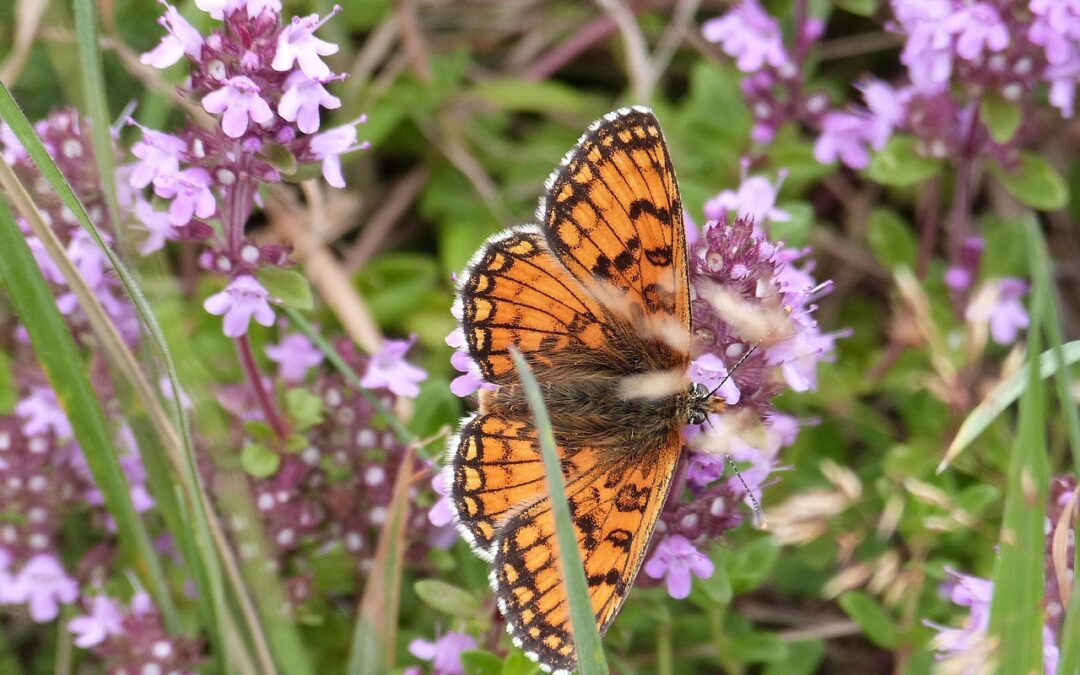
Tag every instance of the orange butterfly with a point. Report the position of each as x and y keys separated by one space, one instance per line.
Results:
x=597 y=299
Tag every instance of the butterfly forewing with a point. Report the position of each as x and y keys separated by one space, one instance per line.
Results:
x=599 y=291
x=515 y=293
x=614 y=217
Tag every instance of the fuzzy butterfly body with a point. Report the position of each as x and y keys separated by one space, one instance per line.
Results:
x=597 y=299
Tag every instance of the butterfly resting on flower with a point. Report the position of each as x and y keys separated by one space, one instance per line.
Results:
x=597 y=299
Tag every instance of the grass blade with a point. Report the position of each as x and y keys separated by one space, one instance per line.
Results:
x=375 y=633
x=590 y=653
x=93 y=86
x=1054 y=361
x=1070 y=627
x=62 y=364
x=1017 y=608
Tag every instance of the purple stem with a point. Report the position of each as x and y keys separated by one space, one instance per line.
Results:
x=238 y=204
x=266 y=403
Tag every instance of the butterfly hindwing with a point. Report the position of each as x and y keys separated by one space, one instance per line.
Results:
x=495 y=467
x=614 y=217
x=516 y=293
x=614 y=511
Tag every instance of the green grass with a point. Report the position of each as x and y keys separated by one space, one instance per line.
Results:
x=590 y=653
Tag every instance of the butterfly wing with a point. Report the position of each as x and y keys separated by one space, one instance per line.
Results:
x=516 y=293
x=496 y=467
x=614 y=218
x=614 y=511
x=612 y=247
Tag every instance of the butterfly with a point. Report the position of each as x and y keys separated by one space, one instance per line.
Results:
x=596 y=297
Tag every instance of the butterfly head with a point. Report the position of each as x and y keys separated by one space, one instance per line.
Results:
x=701 y=402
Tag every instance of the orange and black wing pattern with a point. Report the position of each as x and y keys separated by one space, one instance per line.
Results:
x=614 y=510
x=614 y=217
x=495 y=468
x=610 y=253
x=516 y=293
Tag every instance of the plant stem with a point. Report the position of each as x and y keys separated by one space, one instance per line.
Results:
x=266 y=403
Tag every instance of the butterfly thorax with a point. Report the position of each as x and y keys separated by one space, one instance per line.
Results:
x=601 y=409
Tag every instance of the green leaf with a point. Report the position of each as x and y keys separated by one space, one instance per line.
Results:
x=1001 y=117
x=435 y=407
x=8 y=397
x=288 y=286
x=899 y=164
x=520 y=95
x=517 y=663
x=752 y=564
x=447 y=598
x=1035 y=183
x=589 y=651
x=305 y=408
x=803 y=658
x=891 y=239
x=757 y=648
x=1001 y=397
x=281 y=158
x=859 y=7
x=259 y=431
x=872 y=618
x=478 y=662
x=259 y=461
x=1016 y=610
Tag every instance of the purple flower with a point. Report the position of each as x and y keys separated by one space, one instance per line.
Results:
x=755 y=199
x=295 y=355
x=159 y=155
x=978 y=27
x=103 y=620
x=241 y=300
x=239 y=100
x=798 y=356
x=710 y=370
x=887 y=105
x=48 y=267
x=43 y=585
x=748 y=35
x=676 y=558
x=182 y=39
x=388 y=368
x=441 y=513
x=157 y=224
x=471 y=378
x=845 y=136
x=928 y=50
x=42 y=413
x=302 y=99
x=297 y=43
x=444 y=653
x=190 y=193
x=1008 y=316
x=330 y=145
x=88 y=258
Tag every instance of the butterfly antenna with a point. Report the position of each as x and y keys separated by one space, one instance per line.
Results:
x=759 y=517
x=735 y=367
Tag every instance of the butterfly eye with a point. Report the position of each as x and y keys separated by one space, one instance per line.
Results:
x=696 y=417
